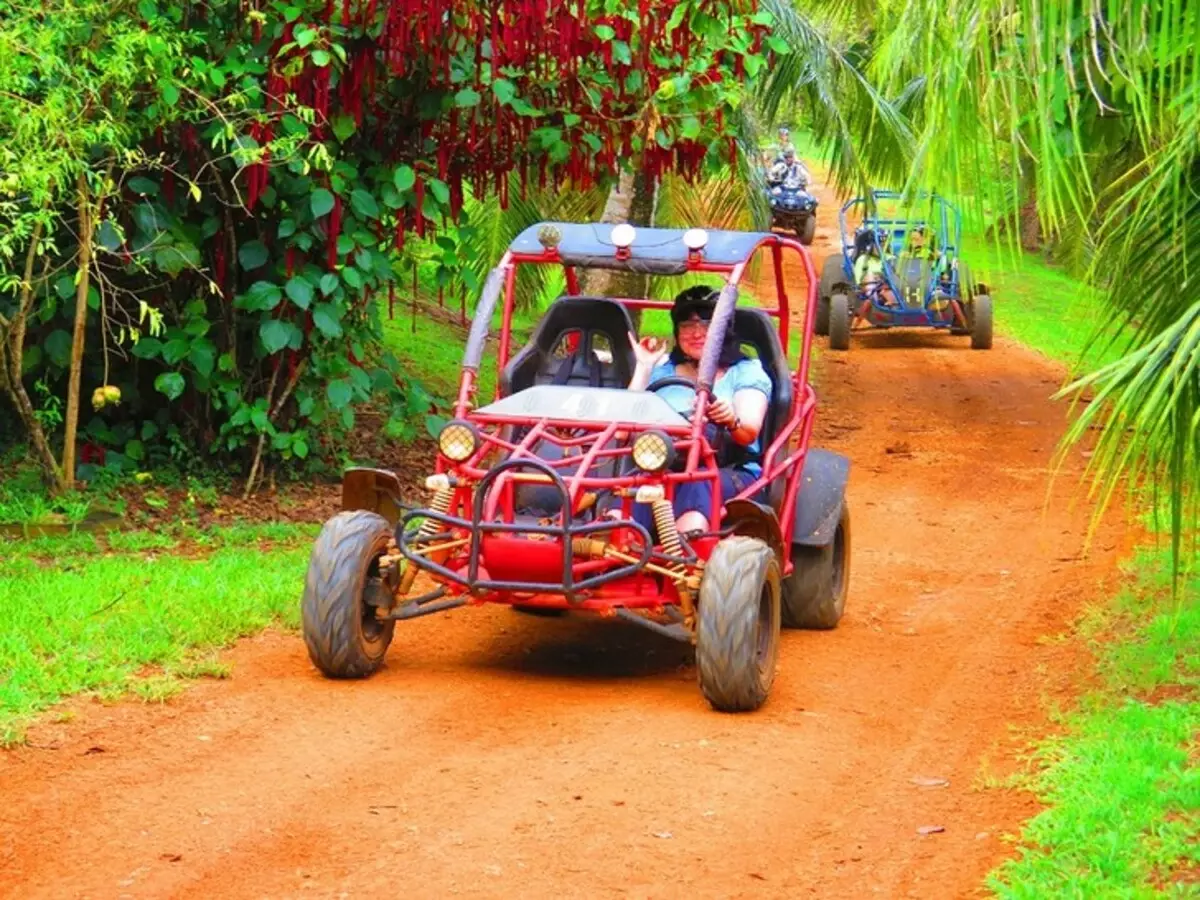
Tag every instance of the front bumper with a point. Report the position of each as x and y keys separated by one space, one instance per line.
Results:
x=473 y=576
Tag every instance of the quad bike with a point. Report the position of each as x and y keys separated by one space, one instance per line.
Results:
x=531 y=496
x=793 y=208
x=929 y=289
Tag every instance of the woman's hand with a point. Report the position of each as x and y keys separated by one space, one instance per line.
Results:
x=721 y=412
x=649 y=352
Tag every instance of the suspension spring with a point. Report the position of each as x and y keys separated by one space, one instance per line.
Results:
x=440 y=504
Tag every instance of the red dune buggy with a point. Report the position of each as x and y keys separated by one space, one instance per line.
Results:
x=532 y=495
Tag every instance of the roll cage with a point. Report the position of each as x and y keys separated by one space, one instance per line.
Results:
x=587 y=445
x=947 y=227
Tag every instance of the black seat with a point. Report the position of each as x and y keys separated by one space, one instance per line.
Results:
x=598 y=321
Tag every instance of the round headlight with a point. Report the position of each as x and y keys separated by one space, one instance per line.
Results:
x=695 y=238
x=458 y=440
x=623 y=235
x=653 y=451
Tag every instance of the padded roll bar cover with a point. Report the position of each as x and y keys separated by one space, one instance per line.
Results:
x=819 y=501
x=722 y=321
x=481 y=324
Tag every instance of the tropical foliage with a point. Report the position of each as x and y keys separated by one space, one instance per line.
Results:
x=207 y=197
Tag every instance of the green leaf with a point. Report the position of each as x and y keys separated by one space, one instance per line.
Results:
x=252 y=255
x=300 y=291
x=109 y=236
x=287 y=227
x=176 y=350
x=276 y=335
x=321 y=202
x=203 y=356
x=440 y=190
x=364 y=204
x=135 y=450
x=147 y=348
x=170 y=93
x=143 y=186
x=404 y=179
x=329 y=283
x=169 y=383
x=321 y=58
x=352 y=277
x=300 y=447
x=65 y=287
x=361 y=380
x=262 y=296
x=325 y=317
x=344 y=126
x=690 y=127
x=504 y=90
x=338 y=393
x=467 y=97
x=58 y=348
x=605 y=32
x=305 y=36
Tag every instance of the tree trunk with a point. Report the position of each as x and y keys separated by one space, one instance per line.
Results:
x=12 y=357
x=633 y=199
x=81 y=298
x=1032 y=238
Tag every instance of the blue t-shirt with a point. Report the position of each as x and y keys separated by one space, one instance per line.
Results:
x=746 y=374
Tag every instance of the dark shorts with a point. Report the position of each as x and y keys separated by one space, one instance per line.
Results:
x=697 y=496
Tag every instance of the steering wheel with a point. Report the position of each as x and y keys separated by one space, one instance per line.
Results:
x=671 y=380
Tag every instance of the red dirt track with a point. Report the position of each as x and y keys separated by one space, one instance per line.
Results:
x=504 y=756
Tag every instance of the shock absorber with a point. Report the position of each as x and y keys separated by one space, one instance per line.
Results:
x=668 y=536
x=440 y=504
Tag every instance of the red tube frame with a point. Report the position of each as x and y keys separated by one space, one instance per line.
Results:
x=800 y=423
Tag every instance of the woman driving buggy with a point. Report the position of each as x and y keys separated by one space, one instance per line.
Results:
x=735 y=413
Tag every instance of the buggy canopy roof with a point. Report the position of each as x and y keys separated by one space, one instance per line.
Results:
x=655 y=251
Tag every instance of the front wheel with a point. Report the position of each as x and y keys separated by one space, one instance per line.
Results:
x=839 y=322
x=981 y=322
x=807 y=231
x=344 y=638
x=814 y=595
x=737 y=624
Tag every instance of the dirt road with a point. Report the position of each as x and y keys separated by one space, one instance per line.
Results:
x=501 y=756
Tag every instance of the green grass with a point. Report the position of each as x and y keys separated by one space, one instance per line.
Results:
x=1122 y=783
x=1040 y=305
x=433 y=352
x=1121 y=779
x=90 y=615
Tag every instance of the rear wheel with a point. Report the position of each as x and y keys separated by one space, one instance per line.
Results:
x=814 y=595
x=737 y=624
x=807 y=231
x=343 y=637
x=981 y=322
x=839 y=322
x=966 y=290
x=831 y=274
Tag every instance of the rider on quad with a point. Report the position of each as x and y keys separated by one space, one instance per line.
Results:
x=788 y=170
x=735 y=417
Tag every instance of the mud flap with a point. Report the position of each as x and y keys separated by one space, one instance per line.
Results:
x=819 y=502
x=374 y=490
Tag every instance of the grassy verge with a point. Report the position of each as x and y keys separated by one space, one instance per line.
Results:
x=1121 y=779
x=1040 y=305
x=112 y=616
x=1122 y=783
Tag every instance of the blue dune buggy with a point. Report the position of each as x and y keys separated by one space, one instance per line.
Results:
x=902 y=272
